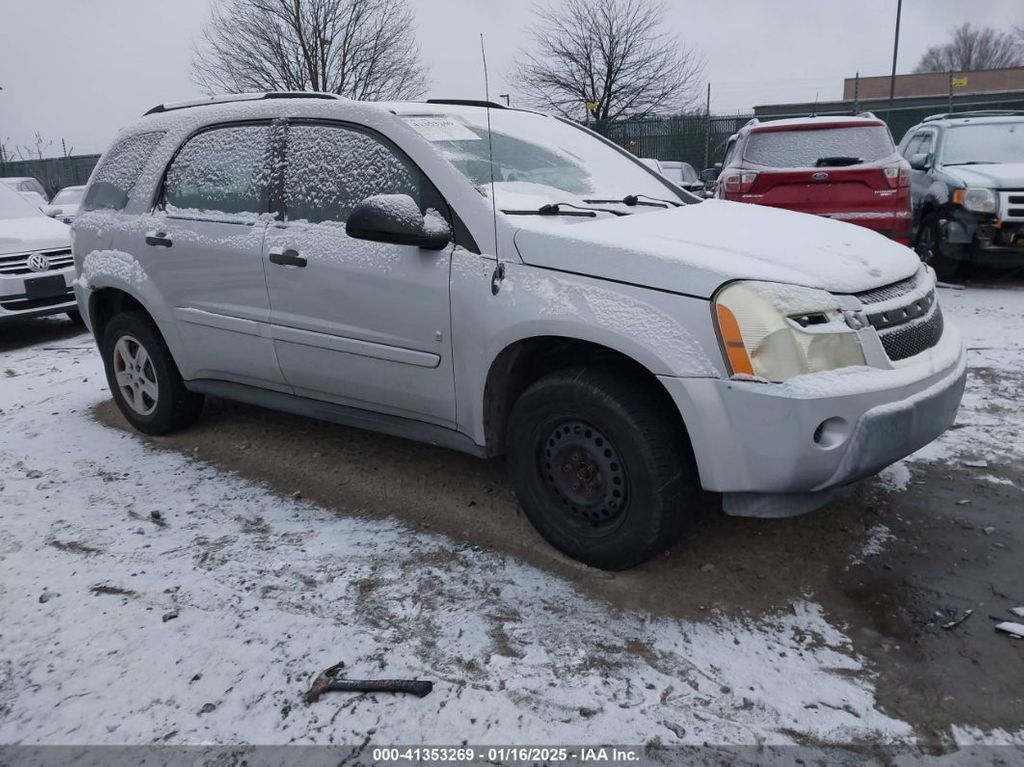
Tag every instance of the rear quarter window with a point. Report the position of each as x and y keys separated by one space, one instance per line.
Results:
x=119 y=170
x=813 y=148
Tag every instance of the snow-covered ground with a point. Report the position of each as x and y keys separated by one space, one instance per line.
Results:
x=147 y=597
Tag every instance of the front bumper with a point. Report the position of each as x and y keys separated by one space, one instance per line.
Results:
x=779 y=449
x=983 y=239
x=17 y=301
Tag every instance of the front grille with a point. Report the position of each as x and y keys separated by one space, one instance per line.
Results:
x=1011 y=205
x=17 y=263
x=913 y=338
x=889 y=292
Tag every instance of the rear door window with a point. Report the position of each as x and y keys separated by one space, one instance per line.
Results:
x=221 y=173
x=819 y=147
x=119 y=170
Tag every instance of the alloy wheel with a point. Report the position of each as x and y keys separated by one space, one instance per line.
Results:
x=135 y=376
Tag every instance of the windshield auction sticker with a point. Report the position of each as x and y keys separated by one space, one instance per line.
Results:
x=440 y=128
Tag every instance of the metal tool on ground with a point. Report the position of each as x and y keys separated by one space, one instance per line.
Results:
x=327 y=681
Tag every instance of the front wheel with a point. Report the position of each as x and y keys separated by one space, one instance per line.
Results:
x=601 y=469
x=143 y=377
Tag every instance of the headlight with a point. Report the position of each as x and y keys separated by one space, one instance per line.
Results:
x=776 y=331
x=975 y=198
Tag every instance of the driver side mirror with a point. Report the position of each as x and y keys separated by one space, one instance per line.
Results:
x=709 y=175
x=920 y=161
x=396 y=218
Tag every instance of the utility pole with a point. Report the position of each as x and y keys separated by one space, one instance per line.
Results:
x=895 y=52
x=707 y=128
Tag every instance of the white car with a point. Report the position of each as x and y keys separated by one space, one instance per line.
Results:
x=25 y=184
x=64 y=205
x=36 y=268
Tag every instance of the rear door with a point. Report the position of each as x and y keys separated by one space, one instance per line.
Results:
x=359 y=323
x=203 y=246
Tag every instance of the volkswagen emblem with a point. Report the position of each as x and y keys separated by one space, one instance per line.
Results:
x=820 y=176
x=37 y=262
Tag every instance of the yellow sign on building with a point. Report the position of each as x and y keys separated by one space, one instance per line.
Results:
x=959 y=82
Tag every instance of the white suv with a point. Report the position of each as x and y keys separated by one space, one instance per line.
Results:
x=36 y=268
x=506 y=283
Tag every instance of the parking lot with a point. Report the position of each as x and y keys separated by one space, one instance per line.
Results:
x=187 y=588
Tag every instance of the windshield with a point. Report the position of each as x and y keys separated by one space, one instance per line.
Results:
x=985 y=143
x=537 y=159
x=805 y=148
x=13 y=205
x=69 y=196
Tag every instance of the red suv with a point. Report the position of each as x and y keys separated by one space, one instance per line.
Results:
x=845 y=168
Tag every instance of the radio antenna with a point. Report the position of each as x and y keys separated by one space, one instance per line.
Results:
x=499 y=272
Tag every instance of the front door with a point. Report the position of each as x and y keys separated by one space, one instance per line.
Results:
x=355 y=322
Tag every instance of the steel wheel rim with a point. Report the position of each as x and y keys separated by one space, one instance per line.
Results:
x=135 y=375
x=584 y=474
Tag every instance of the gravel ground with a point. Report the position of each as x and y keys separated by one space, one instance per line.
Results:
x=186 y=589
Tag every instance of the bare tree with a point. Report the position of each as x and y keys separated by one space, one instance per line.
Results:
x=363 y=49
x=971 y=48
x=612 y=58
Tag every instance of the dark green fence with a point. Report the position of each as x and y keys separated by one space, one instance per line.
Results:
x=54 y=173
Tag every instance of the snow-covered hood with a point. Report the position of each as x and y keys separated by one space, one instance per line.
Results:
x=32 y=233
x=696 y=248
x=1009 y=175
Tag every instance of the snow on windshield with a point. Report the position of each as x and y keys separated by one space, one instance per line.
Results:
x=13 y=205
x=543 y=154
x=804 y=148
x=984 y=143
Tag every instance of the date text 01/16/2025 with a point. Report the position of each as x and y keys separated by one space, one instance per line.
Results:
x=500 y=754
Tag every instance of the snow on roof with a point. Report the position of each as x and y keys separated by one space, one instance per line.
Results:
x=823 y=120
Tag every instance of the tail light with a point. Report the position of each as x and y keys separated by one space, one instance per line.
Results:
x=897 y=176
x=739 y=182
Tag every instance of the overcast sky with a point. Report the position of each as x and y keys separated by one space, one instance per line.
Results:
x=80 y=69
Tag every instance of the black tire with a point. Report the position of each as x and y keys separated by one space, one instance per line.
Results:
x=927 y=245
x=173 y=407
x=76 y=317
x=630 y=486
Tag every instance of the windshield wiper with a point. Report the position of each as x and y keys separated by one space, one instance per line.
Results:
x=556 y=209
x=973 y=162
x=632 y=200
x=837 y=162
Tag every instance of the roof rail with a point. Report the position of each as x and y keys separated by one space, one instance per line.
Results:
x=975 y=113
x=467 y=103
x=234 y=97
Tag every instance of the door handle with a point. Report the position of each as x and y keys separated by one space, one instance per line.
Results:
x=158 y=239
x=288 y=257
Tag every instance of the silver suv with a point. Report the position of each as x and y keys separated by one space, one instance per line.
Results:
x=507 y=283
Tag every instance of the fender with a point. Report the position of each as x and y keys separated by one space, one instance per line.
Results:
x=666 y=333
